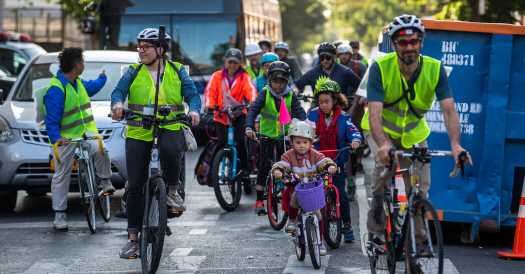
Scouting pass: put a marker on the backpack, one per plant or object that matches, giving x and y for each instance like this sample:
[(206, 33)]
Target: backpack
[(202, 169)]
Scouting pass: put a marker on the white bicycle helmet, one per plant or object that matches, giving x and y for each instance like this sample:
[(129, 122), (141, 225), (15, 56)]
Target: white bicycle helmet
[(301, 129), (151, 35), (344, 48), (252, 49), (405, 21), (281, 45)]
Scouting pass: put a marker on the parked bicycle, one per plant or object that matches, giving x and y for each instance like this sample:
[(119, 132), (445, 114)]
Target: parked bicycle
[(87, 181), (402, 214)]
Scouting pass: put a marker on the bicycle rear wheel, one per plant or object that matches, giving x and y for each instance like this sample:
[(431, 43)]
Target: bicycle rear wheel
[(312, 241), (153, 225), (424, 255), (227, 189), (332, 222), (86, 182), (274, 206)]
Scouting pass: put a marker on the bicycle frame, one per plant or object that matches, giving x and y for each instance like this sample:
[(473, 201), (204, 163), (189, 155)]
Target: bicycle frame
[(231, 146), (330, 185)]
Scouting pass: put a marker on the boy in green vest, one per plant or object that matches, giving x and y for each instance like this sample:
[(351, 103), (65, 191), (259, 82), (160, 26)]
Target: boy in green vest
[(267, 104), (402, 87), (69, 116)]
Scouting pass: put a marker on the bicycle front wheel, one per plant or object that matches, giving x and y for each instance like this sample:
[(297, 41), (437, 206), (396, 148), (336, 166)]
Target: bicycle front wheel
[(424, 241), (274, 206), (332, 222), (227, 189), (153, 225), (86, 182), (104, 205), (313, 241)]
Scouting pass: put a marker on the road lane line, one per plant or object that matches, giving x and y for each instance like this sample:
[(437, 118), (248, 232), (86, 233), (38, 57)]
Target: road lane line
[(182, 251), (294, 266), (198, 231)]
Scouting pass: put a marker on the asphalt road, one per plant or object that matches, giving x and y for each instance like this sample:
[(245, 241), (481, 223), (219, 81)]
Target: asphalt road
[(205, 239)]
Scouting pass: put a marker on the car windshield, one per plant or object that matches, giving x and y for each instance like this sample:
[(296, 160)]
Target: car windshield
[(33, 51), (39, 75)]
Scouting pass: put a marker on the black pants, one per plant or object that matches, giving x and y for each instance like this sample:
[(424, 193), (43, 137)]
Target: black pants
[(238, 135), (138, 154), (266, 157)]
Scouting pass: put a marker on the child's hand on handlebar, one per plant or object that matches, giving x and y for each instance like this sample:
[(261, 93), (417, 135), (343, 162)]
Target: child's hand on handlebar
[(332, 169), (195, 118), (355, 144), (250, 133), (277, 174)]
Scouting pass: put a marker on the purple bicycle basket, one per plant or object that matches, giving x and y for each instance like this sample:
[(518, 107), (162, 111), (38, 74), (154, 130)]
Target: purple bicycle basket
[(310, 196)]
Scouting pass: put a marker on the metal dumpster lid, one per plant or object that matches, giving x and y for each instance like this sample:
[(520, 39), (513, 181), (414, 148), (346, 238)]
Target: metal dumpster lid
[(495, 28)]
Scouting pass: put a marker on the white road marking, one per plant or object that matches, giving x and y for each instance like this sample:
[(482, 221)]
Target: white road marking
[(183, 251), (211, 217), (198, 231), (294, 266), (362, 202)]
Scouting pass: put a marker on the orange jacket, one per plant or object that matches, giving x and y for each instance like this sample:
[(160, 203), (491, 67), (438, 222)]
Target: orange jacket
[(242, 90)]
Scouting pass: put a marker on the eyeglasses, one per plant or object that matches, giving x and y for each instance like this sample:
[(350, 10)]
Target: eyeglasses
[(144, 48), (405, 43), (325, 57)]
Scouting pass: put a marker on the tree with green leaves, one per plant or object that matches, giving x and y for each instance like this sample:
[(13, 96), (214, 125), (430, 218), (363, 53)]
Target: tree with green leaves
[(303, 23), (508, 11)]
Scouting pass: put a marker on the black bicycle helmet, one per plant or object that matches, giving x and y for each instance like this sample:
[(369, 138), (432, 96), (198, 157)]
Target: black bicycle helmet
[(326, 47), (279, 69)]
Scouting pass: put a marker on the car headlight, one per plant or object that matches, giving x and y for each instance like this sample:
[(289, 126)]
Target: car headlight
[(6, 133)]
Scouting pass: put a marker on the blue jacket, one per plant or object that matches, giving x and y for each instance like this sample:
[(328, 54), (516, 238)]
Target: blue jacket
[(189, 91), (347, 132), (260, 82), (348, 81), (54, 102)]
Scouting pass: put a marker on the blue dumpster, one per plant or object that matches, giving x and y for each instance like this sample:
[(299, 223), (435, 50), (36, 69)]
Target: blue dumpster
[(488, 81)]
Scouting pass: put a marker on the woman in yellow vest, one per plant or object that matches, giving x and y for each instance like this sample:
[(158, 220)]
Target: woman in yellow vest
[(267, 105), (69, 116), (137, 85), (401, 88)]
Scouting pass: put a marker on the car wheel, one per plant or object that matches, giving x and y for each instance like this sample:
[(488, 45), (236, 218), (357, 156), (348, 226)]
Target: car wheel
[(8, 200)]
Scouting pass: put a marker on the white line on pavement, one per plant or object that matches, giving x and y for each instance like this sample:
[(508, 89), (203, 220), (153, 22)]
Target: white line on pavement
[(198, 231), (182, 251), (295, 266)]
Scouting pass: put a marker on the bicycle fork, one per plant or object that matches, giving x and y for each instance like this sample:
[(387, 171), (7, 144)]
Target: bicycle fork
[(316, 222)]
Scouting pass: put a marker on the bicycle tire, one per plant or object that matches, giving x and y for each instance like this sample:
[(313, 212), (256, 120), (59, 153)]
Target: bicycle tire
[(247, 186), (433, 228), (332, 222), (104, 205), (87, 194), (300, 245), (274, 207), (311, 239), (224, 157), (153, 225)]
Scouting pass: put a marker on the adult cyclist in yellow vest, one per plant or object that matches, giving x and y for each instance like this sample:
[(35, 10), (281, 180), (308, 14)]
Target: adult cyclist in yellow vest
[(253, 54), (69, 116), (137, 85), (267, 104), (402, 87)]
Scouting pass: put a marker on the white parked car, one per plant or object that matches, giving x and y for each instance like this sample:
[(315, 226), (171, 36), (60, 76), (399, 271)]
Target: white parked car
[(24, 145)]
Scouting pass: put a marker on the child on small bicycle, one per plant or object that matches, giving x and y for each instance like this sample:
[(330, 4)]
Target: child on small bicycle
[(302, 161), (335, 131), (267, 105)]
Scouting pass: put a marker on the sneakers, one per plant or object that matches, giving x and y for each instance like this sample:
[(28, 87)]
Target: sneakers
[(106, 186), (60, 222), (259, 208), (130, 250), (376, 243), (322, 249), (349, 236), (291, 227), (175, 204)]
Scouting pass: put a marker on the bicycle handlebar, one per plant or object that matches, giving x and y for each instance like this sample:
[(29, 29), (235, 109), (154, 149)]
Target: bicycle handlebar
[(424, 155)]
